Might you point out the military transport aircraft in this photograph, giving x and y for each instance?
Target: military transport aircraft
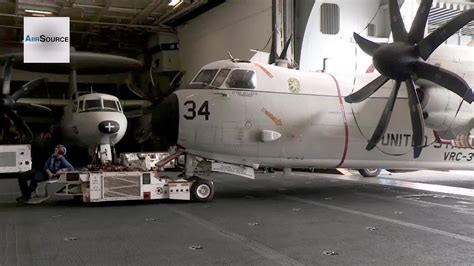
(248, 114)
(88, 120)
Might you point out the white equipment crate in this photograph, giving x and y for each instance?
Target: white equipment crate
(15, 158)
(122, 186)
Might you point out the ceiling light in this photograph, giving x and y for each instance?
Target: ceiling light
(38, 11)
(175, 2)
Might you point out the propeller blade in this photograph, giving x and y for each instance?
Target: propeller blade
(367, 90)
(7, 75)
(427, 46)
(444, 78)
(384, 118)
(21, 125)
(31, 85)
(285, 49)
(416, 114)
(419, 23)
(396, 22)
(367, 46)
(134, 89)
(176, 81)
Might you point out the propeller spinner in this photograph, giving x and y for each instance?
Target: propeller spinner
(403, 61)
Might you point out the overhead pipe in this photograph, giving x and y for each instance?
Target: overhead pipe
(158, 28)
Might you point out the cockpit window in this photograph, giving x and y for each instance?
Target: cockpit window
(93, 105)
(100, 105)
(206, 76)
(240, 78)
(221, 77)
(110, 105)
(119, 106)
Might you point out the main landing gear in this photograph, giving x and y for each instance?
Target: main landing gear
(369, 172)
(202, 190)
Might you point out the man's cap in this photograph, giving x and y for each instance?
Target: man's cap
(62, 149)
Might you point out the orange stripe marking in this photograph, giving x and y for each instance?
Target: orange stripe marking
(275, 120)
(264, 70)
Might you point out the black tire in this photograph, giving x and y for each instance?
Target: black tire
(202, 190)
(369, 172)
(77, 199)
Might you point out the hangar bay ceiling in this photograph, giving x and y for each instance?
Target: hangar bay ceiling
(124, 26)
(113, 26)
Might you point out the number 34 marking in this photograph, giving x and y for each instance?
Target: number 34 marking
(191, 112)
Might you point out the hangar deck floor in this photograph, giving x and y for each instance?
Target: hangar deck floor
(296, 220)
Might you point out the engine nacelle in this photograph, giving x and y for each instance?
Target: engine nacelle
(440, 106)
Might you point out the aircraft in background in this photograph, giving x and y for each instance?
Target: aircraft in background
(94, 119)
(89, 120)
(248, 114)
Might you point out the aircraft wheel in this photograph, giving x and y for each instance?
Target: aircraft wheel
(369, 172)
(77, 199)
(202, 190)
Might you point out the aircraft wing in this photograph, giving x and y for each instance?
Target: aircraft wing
(45, 101)
(64, 102)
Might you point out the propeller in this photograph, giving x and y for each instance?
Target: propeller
(175, 82)
(143, 127)
(403, 61)
(9, 104)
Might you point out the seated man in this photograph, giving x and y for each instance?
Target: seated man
(53, 168)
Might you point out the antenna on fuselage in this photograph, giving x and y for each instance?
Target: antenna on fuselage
(282, 60)
(230, 56)
(272, 56)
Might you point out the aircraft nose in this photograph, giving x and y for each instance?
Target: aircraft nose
(109, 127)
(165, 121)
